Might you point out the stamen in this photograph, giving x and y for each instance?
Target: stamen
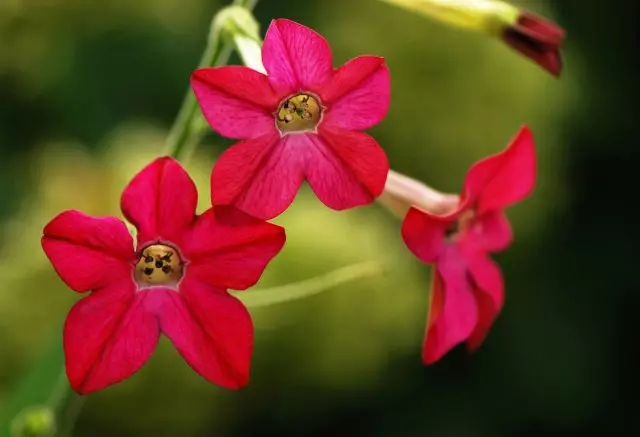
(158, 265)
(299, 113)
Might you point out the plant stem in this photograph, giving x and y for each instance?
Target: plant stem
(68, 414)
(184, 137)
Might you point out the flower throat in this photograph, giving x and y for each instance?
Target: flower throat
(300, 113)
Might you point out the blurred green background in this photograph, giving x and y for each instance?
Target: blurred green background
(88, 91)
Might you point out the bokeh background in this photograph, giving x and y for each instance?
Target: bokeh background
(88, 91)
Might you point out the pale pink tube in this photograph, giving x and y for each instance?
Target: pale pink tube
(401, 192)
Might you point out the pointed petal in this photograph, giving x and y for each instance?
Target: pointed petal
(459, 314)
(424, 234)
(505, 178)
(238, 102)
(487, 314)
(260, 176)
(108, 336)
(345, 169)
(88, 252)
(231, 253)
(212, 331)
(160, 201)
(358, 94)
(492, 232)
(295, 57)
(488, 287)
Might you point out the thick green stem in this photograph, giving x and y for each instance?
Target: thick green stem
(184, 135)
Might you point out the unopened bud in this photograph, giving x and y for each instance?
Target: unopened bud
(239, 26)
(36, 421)
(535, 37)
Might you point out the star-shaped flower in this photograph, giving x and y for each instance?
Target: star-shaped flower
(468, 290)
(301, 121)
(175, 283)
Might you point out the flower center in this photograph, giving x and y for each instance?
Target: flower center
(465, 222)
(158, 265)
(299, 113)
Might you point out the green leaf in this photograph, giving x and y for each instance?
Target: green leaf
(256, 298)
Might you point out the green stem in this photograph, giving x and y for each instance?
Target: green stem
(184, 136)
(68, 413)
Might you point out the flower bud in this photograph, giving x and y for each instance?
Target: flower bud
(533, 36)
(239, 26)
(36, 421)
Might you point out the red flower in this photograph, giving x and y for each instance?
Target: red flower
(175, 283)
(537, 38)
(301, 121)
(467, 292)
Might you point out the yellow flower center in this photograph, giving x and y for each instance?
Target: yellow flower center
(300, 113)
(158, 265)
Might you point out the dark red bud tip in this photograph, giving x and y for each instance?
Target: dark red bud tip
(537, 38)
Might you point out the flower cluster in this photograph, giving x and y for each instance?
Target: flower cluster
(301, 121)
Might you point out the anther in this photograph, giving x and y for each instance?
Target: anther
(299, 113)
(166, 266)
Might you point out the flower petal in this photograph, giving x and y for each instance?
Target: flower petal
(436, 299)
(487, 314)
(88, 252)
(537, 38)
(488, 288)
(212, 331)
(260, 176)
(424, 234)
(492, 232)
(358, 95)
(345, 169)
(160, 201)
(295, 57)
(231, 253)
(459, 314)
(505, 178)
(238, 102)
(108, 336)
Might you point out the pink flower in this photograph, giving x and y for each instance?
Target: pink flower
(537, 38)
(468, 293)
(300, 122)
(175, 283)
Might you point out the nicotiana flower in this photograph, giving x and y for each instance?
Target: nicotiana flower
(174, 283)
(301, 121)
(468, 290)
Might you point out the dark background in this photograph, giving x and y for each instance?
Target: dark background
(88, 91)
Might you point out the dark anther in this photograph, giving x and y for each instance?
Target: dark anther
(166, 269)
(148, 259)
(148, 271)
(167, 257)
(159, 264)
